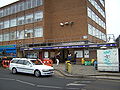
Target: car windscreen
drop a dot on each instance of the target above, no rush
(36, 62)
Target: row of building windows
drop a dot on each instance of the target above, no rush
(20, 7)
(96, 33)
(22, 34)
(94, 3)
(102, 2)
(37, 16)
(95, 18)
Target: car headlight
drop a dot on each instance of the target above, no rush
(45, 70)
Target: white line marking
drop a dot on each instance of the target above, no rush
(25, 82)
(73, 88)
(74, 84)
(7, 79)
(49, 86)
(82, 82)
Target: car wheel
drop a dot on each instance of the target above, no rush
(37, 73)
(14, 70)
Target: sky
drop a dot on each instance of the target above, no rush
(112, 15)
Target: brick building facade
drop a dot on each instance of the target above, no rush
(43, 23)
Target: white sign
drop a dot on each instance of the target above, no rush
(79, 54)
(86, 53)
(108, 60)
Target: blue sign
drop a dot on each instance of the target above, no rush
(76, 46)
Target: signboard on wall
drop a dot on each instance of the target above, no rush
(108, 60)
(86, 53)
(79, 54)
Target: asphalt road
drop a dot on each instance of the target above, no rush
(19, 81)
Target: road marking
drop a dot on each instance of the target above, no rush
(7, 79)
(74, 84)
(49, 86)
(87, 82)
(73, 88)
(25, 82)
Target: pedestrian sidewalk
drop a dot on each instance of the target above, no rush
(80, 71)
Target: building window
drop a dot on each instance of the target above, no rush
(6, 37)
(20, 34)
(6, 11)
(29, 33)
(13, 9)
(21, 6)
(13, 22)
(79, 54)
(39, 2)
(1, 38)
(1, 13)
(90, 29)
(38, 16)
(1, 25)
(93, 16)
(13, 35)
(28, 4)
(38, 32)
(20, 20)
(89, 12)
(6, 24)
(29, 18)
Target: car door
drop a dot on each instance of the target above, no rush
(20, 66)
(28, 67)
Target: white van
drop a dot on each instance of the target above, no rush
(31, 66)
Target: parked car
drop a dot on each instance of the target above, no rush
(31, 66)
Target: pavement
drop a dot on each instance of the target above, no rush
(81, 71)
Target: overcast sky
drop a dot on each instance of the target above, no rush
(112, 15)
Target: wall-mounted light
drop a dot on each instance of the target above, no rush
(61, 24)
(71, 23)
(66, 23)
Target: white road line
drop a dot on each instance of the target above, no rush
(74, 84)
(49, 86)
(7, 79)
(73, 88)
(25, 82)
(87, 82)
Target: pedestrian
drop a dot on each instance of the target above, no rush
(69, 57)
(75, 55)
(57, 58)
(95, 64)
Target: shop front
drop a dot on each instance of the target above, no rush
(78, 52)
(8, 51)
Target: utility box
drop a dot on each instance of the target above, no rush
(108, 60)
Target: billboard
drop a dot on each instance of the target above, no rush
(108, 60)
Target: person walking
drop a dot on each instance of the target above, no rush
(75, 56)
(57, 58)
(69, 57)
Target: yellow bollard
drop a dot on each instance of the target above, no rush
(69, 68)
(66, 65)
(92, 61)
(83, 61)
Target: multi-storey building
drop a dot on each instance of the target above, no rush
(41, 23)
